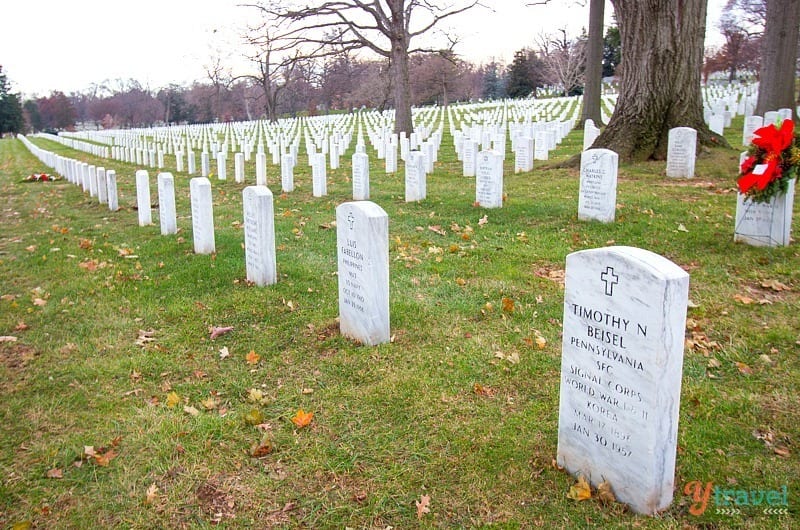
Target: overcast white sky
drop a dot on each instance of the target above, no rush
(68, 45)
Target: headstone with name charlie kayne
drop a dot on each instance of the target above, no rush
(621, 368)
(362, 238)
(259, 235)
(597, 199)
(681, 152)
(202, 215)
(167, 215)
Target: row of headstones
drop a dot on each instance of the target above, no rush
(622, 352)
(756, 223)
(96, 180)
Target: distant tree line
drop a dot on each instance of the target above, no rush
(338, 82)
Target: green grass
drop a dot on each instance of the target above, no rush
(392, 422)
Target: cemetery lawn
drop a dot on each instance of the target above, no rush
(119, 409)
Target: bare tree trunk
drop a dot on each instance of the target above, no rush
(402, 91)
(778, 56)
(662, 43)
(593, 76)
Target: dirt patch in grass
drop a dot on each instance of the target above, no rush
(217, 499)
(15, 356)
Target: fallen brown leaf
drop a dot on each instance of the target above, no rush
(217, 331)
(423, 505)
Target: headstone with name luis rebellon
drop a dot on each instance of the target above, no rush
(621, 366)
(362, 237)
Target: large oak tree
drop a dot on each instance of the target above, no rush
(778, 55)
(662, 56)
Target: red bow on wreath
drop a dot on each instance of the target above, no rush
(758, 171)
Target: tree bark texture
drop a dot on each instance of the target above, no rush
(778, 56)
(594, 65)
(662, 56)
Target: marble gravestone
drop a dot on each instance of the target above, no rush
(113, 197)
(259, 235)
(470, 155)
(202, 215)
(489, 180)
(287, 173)
(597, 199)
(261, 169)
(751, 124)
(416, 180)
(102, 186)
(765, 224)
(523, 155)
(166, 204)
(319, 175)
(681, 152)
(238, 167)
(362, 240)
(621, 368)
(590, 134)
(360, 177)
(143, 197)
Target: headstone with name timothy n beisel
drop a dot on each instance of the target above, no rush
(621, 366)
(597, 199)
(202, 215)
(166, 204)
(681, 152)
(362, 238)
(143, 197)
(259, 235)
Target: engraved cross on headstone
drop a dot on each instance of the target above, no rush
(610, 279)
(351, 220)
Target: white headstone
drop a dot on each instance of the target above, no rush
(717, 123)
(143, 197)
(111, 182)
(362, 237)
(202, 216)
(191, 165)
(681, 152)
(590, 134)
(222, 171)
(204, 162)
(102, 186)
(319, 175)
(523, 155)
(765, 224)
(416, 180)
(287, 173)
(597, 199)
(261, 169)
(166, 204)
(751, 123)
(489, 180)
(621, 365)
(238, 167)
(470, 157)
(259, 235)
(360, 177)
